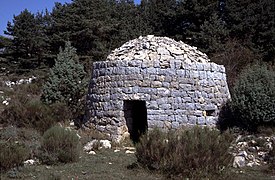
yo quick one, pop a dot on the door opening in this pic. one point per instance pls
(135, 113)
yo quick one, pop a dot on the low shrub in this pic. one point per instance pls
(12, 154)
(29, 137)
(253, 98)
(23, 112)
(59, 145)
(193, 153)
(272, 157)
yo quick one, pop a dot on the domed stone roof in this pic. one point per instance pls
(163, 49)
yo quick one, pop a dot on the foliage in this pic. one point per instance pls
(192, 153)
(29, 38)
(272, 156)
(23, 112)
(213, 35)
(253, 23)
(95, 27)
(59, 145)
(66, 82)
(12, 154)
(235, 57)
(253, 98)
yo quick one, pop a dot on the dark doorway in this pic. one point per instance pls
(135, 113)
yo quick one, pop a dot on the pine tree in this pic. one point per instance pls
(213, 35)
(253, 23)
(66, 82)
(28, 39)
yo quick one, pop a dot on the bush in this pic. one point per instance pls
(12, 154)
(253, 98)
(29, 137)
(23, 112)
(66, 82)
(194, 153)
(59, 145)
(272, 157)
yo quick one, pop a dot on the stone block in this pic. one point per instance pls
(165, 106)
(175, 125)
(163, 92)
(135, 63)
(162, 100)
(201, 121)
(162, 117)
(211, 120)
(166, 84)
(156, 84)
(189, 106)
(153, 105)
(182, 119)
(192, 120)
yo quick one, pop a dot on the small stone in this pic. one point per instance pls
(92, 153)
(116, 150)
(129, 152)
(30, 162)
(239, 161)
(105, 144)
(243, 153)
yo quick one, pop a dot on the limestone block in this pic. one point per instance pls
(175, 84)
(180, 72)
(152, 105)
(156, 84)
(163, 92)
(192, 119)
(189, 106)
(165, 106)
(162, 100)
(201, 121)
(128, 90)
(175, 125)
(200, 66)
(162, 117)
(211, 120)
(154, 123)
(202, 75)
(182, 119)
(166, 84)
(135, 63)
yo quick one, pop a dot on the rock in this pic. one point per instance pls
(251, 164)
(71, 123)
(30, 162)
(97, 144)
(105, 144)
(239, 161)
(129, 152)
(116, 150)
(92, 153)
(148, 47)
(90, 145)
(243, 154)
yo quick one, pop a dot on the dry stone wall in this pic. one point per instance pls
(176, 92)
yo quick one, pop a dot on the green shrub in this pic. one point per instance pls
(59, 145)
(193, 153)
(66, 82)
(29, 137)
(23, 112)
(253, 98)
(12, 154)
(272, 156)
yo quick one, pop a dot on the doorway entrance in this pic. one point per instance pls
(135, 113)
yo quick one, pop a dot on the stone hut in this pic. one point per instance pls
(154, 82)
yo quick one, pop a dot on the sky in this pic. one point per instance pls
(8, 8)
